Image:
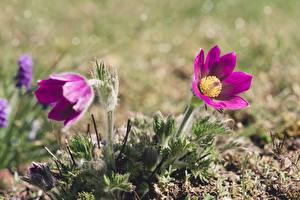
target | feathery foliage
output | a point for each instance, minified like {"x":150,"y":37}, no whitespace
{"x":151,"y":151}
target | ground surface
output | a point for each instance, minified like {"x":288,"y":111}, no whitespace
{"x":253,"y":170}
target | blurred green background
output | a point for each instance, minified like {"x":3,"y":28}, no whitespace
{"x":153,"y":43}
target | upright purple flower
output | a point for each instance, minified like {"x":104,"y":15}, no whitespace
{"x":24,"y":74}
{"x":3,"y":113}
{"x":215,"y":82}
{"x":68,"y":93}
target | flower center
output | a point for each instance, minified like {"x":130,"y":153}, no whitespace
{"x":210,"y":86}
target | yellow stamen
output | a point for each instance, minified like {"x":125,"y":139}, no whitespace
{"x":210,"y":86}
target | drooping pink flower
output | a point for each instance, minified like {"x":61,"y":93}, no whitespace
{"x":215,"y":82}
{"x":68,"y":93}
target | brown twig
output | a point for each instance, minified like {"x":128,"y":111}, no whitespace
{"x":71,"y":155}
{"x":128,"y":129}
{"x":136,"y":195}
{"x":96,"y":131}
{"x":53,"y":156}
{"x":88,"y":131}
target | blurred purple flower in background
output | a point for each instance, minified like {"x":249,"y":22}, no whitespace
{"x":68,"y":93}
{"x":24,"y":74}
{"x":215,"y":82}
{"x":3,"y":113}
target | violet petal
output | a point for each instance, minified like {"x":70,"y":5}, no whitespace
{"x":212,"y":58}
{"x":78,"y":92}
{"x":233,"y":103}
{"x":61,"y":111}
{"x":68,"y":76}
{"x":199,"y":64}
{"x":225,"y":66}
{"x":49,"y":91}
{"x":236,"y":83}
{"x":72,"y":118}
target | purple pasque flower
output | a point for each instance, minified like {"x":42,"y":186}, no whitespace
{"x":24,"y":74}
{"x":4,"y":109}
{"x":215,"y":82}
{"x":68,"y":93}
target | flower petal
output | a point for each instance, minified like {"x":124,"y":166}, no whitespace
{"x":68,"y":76}
{"x":234,"y":103}
{"x":78,"y":92}
{"x":236,"y":83}
{"x":225,"y":66}
{"x":195,"y":87}
{"x":199,"y":64}
{"x":72,"y":118}
{"x":212,"y":58}
{"x":62,"y":110}
{"x":49,"y":91}
{"x":211,"y":102}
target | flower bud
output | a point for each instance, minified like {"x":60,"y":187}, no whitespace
{"x":150,"y":156}
{"x":41,"y":176}
{"x":107,"y":84}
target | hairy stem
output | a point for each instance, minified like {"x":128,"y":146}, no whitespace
{"x":187,"y":115}
{"x":110,"y":127}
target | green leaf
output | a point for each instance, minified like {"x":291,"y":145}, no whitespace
{"x":117,"y":182}
{"x":158,"y":124}
{"x":85,"y":196}
{"x":205,"y":127}
{"x":170,"y":126}
{"x":177,"y":148}
{"x":163,"y":128}
{"x":82,"y":147}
